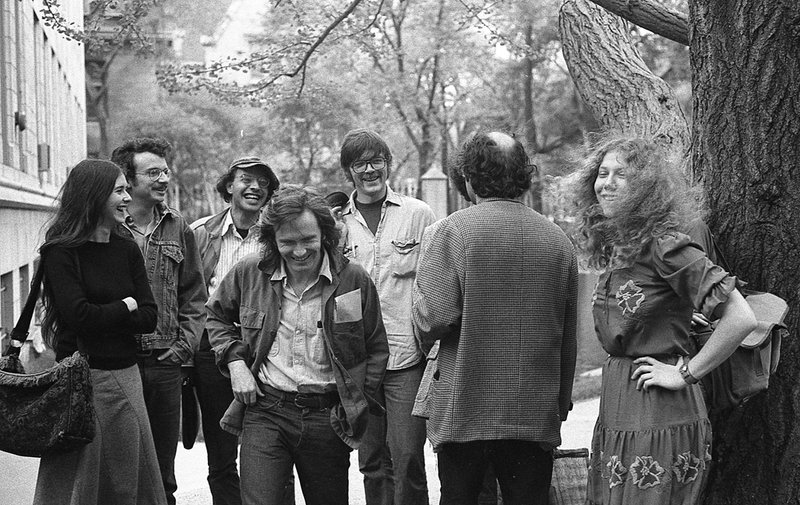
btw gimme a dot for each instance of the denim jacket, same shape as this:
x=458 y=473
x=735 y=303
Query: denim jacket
x=391 y=256
x=243 y=318
x=174 y=270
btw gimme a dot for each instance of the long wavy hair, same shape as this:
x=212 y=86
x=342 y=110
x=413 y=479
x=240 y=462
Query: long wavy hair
x=659 y=199
x=289 y=202
x=82 y=202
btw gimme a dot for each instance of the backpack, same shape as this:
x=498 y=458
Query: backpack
x=746 y=372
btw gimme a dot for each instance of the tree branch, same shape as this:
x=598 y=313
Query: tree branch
x=651 y=16
x=309 y=52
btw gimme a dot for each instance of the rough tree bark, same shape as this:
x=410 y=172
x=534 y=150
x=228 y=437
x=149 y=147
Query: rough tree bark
x=612 y=78
x=746 y=149
x=746 y=138
x=651 y=16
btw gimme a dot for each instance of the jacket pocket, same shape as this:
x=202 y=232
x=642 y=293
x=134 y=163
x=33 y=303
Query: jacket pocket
x=405 y=257
x=348 y=343
x=172 y=257
x=251 y=321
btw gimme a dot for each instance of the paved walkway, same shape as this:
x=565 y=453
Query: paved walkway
x=18 y=475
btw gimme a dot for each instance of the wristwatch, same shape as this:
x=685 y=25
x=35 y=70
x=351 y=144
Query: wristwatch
x=686 y=374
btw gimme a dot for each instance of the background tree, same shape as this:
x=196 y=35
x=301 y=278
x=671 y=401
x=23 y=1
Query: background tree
x=745 y=147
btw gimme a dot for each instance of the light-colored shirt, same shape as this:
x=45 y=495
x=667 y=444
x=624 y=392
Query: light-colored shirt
x=298 y=359
x=233 y=248
x=390 y=256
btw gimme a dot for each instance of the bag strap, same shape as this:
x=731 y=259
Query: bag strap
x=20 y=332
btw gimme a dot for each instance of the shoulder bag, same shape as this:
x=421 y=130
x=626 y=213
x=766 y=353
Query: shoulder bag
x=49 y=411
x=747 y=371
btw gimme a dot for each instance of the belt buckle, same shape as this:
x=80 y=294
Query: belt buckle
x=144 y=353
x=300 y=401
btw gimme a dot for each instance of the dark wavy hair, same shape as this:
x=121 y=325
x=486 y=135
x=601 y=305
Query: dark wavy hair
x=289 y=202
x=659 y=199
x=356 y=143
x=123 y=155
x=494 y=171
x=458 y=181
x=82 y=201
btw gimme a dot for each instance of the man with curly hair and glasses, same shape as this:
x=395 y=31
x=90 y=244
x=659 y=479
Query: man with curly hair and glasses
x=497 y=288
x=384 y=232
x=175 y=275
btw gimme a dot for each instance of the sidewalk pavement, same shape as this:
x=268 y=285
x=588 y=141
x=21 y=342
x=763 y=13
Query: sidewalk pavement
x=18 y=474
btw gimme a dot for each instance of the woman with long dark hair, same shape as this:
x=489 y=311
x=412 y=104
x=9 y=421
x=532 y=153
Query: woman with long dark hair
x=652 y=441
x=97 y=298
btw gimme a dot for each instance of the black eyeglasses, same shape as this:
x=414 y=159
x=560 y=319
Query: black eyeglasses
x=360 y=166
x=155 y=173
x=263 y=182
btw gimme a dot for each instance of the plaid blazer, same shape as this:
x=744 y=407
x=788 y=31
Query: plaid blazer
x=497 y=286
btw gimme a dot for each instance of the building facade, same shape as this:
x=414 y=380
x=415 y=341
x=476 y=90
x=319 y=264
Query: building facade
x=43 y=130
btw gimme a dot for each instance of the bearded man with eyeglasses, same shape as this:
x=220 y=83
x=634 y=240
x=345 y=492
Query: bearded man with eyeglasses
x=223 y=239
x=384 y=235
x=174 y=271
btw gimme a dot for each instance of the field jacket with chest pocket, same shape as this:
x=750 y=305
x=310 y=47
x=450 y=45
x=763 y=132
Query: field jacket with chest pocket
x=243 y=319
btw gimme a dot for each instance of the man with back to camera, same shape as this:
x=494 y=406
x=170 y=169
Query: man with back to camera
x=497 y=287
x=174 y=271
x=384 y=236
x=223 y=239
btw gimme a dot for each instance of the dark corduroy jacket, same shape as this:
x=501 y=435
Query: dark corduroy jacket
x=497 y=286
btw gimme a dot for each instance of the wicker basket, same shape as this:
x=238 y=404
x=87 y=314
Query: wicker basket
x=570 y=473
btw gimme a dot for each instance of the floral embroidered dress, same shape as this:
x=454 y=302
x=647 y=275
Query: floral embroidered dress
x=652 y=447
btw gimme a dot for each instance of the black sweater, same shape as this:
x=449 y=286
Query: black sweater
x=88 y=289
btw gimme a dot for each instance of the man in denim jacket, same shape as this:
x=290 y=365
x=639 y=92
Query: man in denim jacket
x=174 y=270
x=384 y=235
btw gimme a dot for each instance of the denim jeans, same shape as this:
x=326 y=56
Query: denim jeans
x=391 y=455
x=161 y=384
x=215 y=395
x=523 y=469
x=276 y=435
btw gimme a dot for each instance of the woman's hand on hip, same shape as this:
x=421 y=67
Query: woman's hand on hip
x=652 y=372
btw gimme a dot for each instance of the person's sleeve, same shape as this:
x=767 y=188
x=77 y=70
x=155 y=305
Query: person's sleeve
x=222 y=311
x=375 y=341
x=689 y=272
x=192 y=296
x=438 y=298
x=145 y=318
x=62 y=278
x=569 y=341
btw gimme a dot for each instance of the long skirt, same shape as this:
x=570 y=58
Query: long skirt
x=649 y=447
x=119 y=466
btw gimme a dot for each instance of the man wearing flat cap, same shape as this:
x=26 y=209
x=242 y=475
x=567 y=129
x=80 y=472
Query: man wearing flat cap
x=223 y=239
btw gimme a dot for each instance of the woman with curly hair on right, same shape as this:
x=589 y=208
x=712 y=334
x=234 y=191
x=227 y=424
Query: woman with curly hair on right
x=652 y=441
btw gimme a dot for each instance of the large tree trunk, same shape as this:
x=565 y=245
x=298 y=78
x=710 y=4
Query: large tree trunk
x=746 y=149
x=746 y=138
x=612 y=78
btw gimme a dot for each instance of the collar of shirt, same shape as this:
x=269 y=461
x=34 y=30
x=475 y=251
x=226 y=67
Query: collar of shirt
x=229 y=227
x=280 y=273
x=391 y=197
x=159 y=211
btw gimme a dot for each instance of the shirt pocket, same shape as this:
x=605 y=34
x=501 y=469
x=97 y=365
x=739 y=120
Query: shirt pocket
x=405 y=256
